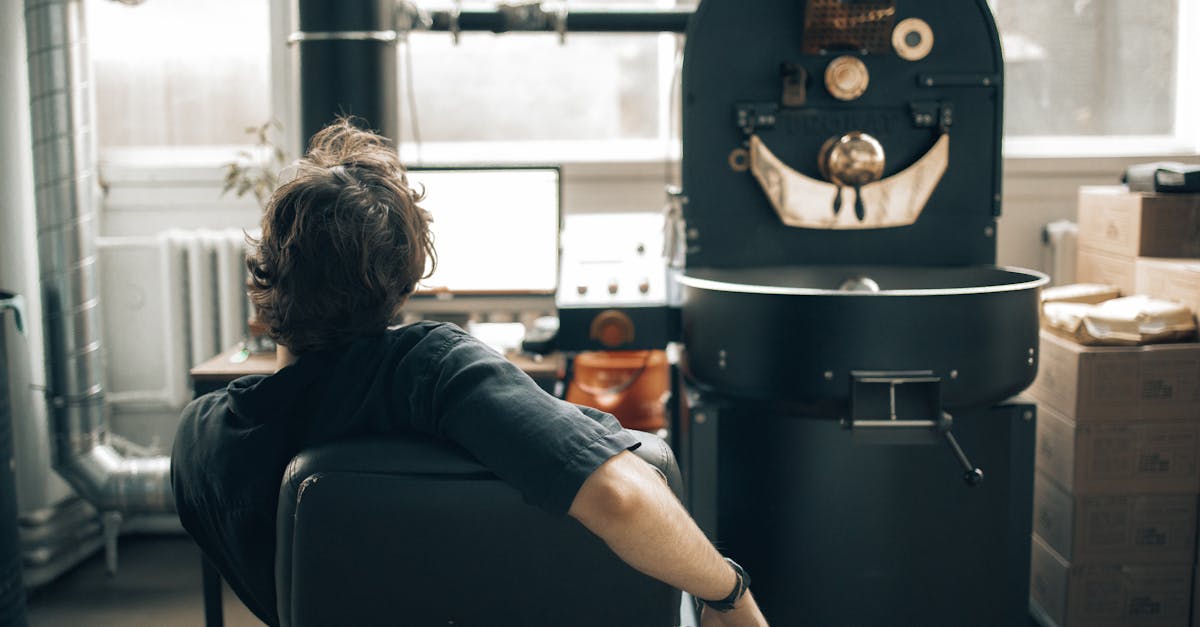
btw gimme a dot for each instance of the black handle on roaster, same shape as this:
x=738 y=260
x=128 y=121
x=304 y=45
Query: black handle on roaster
x=971 y=473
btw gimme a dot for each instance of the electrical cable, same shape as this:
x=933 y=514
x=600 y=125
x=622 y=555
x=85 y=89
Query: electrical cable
x=673 y=114
x=673 y=225
x=412 y=97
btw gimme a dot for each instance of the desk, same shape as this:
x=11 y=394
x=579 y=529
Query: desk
x=217 y=372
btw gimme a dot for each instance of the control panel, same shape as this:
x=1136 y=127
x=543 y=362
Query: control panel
x=614 y=288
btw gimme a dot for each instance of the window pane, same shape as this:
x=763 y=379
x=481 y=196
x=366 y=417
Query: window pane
x=528 y=87
x=1089 y=67
x=179 y=72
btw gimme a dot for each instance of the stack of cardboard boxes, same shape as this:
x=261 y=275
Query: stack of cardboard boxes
x=1124 y=237
x=1118 y=452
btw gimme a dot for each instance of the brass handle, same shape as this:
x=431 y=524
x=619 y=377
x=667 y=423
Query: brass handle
x=852 y=160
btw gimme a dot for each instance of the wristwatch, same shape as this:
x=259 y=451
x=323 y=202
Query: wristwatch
x=739 y=590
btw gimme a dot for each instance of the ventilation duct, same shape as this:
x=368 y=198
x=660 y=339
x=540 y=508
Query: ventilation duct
x=67 y=197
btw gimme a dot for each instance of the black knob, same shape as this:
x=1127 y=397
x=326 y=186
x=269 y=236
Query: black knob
x=971 y=473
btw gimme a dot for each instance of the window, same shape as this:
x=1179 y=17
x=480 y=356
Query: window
x=1082 y=76
x=179 y=73
x=1112 y=70
x=528 y=88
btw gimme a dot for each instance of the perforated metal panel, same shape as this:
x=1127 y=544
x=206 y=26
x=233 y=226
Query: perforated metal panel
x=831 y=25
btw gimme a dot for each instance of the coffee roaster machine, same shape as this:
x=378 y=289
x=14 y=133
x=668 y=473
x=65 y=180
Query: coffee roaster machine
x=850 y=352
x=849 y=345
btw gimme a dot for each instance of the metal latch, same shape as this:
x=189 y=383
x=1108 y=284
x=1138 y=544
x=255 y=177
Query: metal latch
x=901 y=401
x=752 y=116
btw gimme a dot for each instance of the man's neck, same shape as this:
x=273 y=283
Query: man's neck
x=283 y=357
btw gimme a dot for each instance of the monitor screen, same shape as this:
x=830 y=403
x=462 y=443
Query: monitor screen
x=495 y=229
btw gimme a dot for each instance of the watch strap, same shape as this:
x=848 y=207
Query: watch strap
x=739 y=590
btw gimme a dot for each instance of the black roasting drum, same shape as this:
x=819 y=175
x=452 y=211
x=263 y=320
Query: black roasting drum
x=796 y=333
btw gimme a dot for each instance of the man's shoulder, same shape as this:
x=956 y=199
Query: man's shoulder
x=212 y=434
x=195 y=422
x=425 y=351
x=204 y=413
x=425 y=339
x=423 y=329
x=225 y=472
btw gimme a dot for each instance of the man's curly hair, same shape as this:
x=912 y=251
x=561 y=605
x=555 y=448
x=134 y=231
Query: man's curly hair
x=343 y=243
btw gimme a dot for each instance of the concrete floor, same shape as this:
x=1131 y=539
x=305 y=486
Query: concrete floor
x=158 y=585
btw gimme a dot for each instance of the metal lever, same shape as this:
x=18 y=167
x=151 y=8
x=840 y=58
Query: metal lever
x=906 y=402
x=972 y=474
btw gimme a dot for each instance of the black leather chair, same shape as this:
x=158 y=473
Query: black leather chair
x=413 y=531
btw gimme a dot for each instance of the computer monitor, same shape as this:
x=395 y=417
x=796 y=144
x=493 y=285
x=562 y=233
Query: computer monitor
x=495 y=229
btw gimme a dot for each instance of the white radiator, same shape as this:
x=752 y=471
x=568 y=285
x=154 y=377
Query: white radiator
x=169 y=302
x=1060 y=241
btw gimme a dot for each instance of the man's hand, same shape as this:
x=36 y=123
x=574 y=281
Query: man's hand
x=744 y=614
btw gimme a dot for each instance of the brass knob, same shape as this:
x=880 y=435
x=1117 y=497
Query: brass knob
x=853 y=160
x=847 y=77
x=612 y=328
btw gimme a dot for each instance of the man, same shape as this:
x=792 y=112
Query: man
x=343 y=245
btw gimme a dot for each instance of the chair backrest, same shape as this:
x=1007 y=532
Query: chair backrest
x=413 y=531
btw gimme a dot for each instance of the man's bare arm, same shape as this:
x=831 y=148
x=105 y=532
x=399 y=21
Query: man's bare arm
x=627 y=504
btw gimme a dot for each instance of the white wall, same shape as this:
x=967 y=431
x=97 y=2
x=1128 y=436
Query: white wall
x=1041 y=190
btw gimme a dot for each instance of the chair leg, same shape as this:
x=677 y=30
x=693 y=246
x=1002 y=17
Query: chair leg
x=214 y=613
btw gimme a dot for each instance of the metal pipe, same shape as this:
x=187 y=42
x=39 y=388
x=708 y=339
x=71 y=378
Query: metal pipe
x=535 y=18
x=67 y=197
x=347 y=54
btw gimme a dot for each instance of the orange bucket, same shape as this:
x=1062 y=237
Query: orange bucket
x=631 y=385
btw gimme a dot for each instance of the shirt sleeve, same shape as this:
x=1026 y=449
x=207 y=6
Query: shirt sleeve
x=543 y=446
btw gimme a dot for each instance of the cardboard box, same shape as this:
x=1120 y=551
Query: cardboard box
x=1169 y=279
x=1090 y=384
x=1130 y=224
x=1107 y=595
x=1125 y=529
x=1095 y=266
x=1118 y=458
